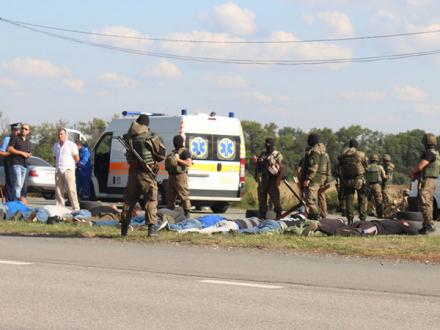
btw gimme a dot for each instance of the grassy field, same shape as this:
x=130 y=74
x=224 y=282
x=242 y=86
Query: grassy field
x=413 y=248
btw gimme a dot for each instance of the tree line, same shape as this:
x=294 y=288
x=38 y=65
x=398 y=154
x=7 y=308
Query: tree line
x=405 y=148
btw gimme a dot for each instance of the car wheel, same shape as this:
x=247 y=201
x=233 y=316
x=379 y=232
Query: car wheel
x=48 y=195
x=219 y=207
x=409 y=215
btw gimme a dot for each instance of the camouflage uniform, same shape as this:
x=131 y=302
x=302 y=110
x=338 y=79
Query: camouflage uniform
x=140 y=182
x=386 y=184
x=315 y=171
x=178 y=184
x=322 y=193
x=268 y=184
x=427 y=171
x=352 y=184
x=375 y=176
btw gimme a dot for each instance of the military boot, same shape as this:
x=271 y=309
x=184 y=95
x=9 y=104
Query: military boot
x=427 y=229
x=152 y=231
x=124 y=229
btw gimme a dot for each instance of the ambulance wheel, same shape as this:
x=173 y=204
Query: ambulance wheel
x=48 y=195
x=220 y=207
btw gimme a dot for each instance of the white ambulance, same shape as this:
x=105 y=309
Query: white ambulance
x=216 y=144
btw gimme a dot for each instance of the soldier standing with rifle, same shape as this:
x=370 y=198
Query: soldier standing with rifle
x=352 y=164
x=427 y=171
x=141 y=178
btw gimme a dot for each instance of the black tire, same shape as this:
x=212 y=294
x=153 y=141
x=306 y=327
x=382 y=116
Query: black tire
x=409 y=215
x=412 y=204
x=220 y=207
x=48 y=195
x=252 y=213
x=162 y=193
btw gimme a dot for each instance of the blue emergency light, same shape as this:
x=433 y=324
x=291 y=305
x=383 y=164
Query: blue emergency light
x=183 y=112
x=231 y=115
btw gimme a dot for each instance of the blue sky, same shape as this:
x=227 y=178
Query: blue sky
x=46 y=79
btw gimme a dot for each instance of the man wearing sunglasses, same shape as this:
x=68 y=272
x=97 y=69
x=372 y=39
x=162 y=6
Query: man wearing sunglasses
x=20 y=149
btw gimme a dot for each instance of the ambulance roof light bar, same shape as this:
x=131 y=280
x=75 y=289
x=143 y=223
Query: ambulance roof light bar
x=136 y=113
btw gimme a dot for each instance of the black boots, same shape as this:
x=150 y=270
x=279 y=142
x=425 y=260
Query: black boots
x=152 y=231
x=427 y=229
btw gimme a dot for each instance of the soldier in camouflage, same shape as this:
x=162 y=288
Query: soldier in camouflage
x=375 y=175
x=313 y=174
x=352 y=165
x=388 y=166
x=140 y=181
x=426 y=172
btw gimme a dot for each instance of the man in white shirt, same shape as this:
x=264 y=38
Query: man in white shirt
x=66 y=156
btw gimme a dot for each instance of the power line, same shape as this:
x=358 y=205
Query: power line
x=366 y=37
x=280 y=62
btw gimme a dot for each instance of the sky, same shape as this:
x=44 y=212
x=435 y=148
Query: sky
x=45 y=79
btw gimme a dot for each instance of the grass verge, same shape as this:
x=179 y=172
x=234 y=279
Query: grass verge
x=414 y=248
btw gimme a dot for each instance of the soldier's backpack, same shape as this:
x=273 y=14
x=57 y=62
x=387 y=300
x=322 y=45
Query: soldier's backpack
x=373 y=174
x=157 y=148
x=351 y=164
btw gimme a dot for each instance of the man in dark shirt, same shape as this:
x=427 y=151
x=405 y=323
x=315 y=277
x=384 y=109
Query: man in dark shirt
x=20 y=149
x=9 y=185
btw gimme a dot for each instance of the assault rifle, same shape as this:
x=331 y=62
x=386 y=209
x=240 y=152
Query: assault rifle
x=298 y=196
x=130 y=148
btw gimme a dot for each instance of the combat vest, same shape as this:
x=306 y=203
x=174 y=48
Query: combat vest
x=172 y=165
x=137 y=136
x=373 y=174
x=269 y=163
x=433 y=169
x=351 y=164
x=323 y=166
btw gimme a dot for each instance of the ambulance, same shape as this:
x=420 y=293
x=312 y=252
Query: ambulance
x=216 y=144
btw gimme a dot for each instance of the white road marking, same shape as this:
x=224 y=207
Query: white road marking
x=12 y=262
x=252 y=285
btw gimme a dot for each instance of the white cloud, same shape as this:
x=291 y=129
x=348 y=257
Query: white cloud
x=234 y=19
x=235 y=81
x=8 y=83
x=34 y=67
x=117 y=80
x=302 y=51
x=362 y=96
x=409 y=93
x=131 y=39
x=164 y=70
x=260 y=97
x=430 y=109
x=309 y=19
x=338 y=22
x=75 y=84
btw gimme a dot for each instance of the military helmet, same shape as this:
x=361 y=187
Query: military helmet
x=429 y=139
x=387 y=157
x=374 y=158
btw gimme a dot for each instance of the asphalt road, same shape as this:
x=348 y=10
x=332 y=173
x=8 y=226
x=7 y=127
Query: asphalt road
x=50 y=283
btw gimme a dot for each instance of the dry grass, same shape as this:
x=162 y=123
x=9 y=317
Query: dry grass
x=415 y=248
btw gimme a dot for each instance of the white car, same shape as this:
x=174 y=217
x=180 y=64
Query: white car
x=40 y=178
